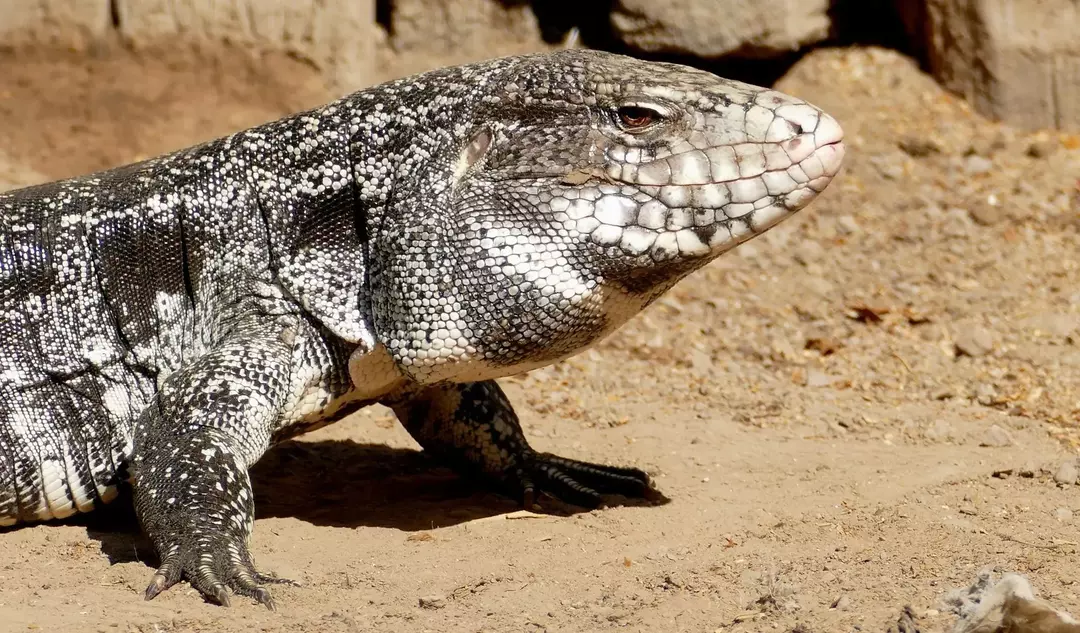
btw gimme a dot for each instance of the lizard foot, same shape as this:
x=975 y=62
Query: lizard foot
x=576 y=482
x=473 y=426
x=212 y=569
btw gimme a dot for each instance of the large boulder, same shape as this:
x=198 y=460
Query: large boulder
x=434 y=32
x=338 y=36
x=713 y=28
x=71 y=23
x=1014 y=60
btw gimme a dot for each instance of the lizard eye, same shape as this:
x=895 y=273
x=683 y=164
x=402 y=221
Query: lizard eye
x=636 y=117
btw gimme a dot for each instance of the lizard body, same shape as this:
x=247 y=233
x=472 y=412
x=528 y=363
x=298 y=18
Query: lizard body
x=164 y=323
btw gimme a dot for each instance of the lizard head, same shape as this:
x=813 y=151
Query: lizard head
x=582 y=186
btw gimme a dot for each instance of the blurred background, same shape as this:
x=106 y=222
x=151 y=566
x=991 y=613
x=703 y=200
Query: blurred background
x=149 y=75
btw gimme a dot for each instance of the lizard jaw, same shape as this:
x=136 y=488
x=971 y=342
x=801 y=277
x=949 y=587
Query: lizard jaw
x=694 y=204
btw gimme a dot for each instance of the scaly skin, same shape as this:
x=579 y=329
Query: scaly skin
x=165 y=323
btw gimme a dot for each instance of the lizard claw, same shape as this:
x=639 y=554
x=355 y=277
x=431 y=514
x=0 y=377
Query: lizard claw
x=156 y=586
x=577 y=482
x=270 y=579
x=263 y=597
x=528 y=490
x=213 y=574
x=222 y=597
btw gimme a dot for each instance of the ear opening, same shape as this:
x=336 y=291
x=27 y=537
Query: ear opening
x=473 y=152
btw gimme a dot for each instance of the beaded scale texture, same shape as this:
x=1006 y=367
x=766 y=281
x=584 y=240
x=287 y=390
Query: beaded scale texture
x=162 y=324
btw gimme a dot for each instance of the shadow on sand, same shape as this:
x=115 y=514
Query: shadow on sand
x=340 y=483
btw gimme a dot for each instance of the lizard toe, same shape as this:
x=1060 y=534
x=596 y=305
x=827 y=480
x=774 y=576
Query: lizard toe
x=167 y=575
x=246 y=581
x=629 y=482
x=160 y=582
x=580 y=483
x=271 y=579
x=207 y=581
x=243 y=582
x=213 y=570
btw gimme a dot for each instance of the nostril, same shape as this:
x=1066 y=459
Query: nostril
x=795 y=127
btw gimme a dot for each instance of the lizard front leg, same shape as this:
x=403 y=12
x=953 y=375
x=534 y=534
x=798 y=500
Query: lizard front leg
x=191 y=454
x=474 y=427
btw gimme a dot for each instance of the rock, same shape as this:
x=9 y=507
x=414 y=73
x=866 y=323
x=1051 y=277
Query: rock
x=463 y=30
x=918 y=147
x=890 y=167
x=975 y=165
x=1064 y=515
x=956 y=222
x=974 y=341
x=815 y=378
x=940 y=431
x=847 y=225
x=76 y=24
x=1067 y=473
x=808 y=251
x=843 y=603
x=782 y=350
x=943 y=393
x=986 y=395
x=432 y=602
x=757 y=28
x=1014 y=61
x=819 y=286
x=1041 y=148
x=996 y=437
x=1059 y=325
x=701 y=363
x=822 y=344
x=986 y=214
x=338 y=36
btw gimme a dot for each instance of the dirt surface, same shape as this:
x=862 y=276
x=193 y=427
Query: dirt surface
x=857 y=412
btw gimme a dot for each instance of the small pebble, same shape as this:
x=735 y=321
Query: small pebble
x=701 y=364
x=956 y=222
x=986 y=395
x=939 y=430
x=1063 y=514
x=1067 y=473
x=808 y=251
x=986 y=214
x=888 y=167
x=847 y=225
x=819 y=286
x=943 y=393
x=996 y=436
x=815 y=378
x=919 y=147
x=843 y=603
x=976 y=165
x=1041 y=149
x=975 y=341
x=1059 y=325
x=432 y=602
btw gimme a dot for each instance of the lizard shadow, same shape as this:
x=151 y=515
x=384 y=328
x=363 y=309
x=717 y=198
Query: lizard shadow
x=341 y=483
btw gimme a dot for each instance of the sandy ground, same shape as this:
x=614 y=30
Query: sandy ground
x=857 y=412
